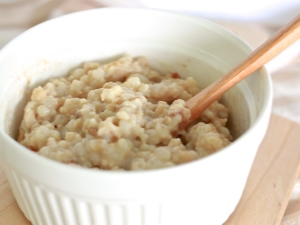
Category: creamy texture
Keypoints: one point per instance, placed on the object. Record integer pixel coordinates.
(120, 115)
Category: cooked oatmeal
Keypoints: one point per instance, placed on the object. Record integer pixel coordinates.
(120, 116)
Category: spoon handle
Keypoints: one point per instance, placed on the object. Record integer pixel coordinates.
(269, 49)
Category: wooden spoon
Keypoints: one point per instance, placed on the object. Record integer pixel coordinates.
(268, 50)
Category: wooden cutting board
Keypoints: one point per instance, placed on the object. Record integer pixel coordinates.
(272, 177)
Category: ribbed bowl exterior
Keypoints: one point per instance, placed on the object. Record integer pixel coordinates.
(44, 206)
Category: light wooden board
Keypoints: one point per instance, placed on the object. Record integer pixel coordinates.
(273, 175)
(270, 182)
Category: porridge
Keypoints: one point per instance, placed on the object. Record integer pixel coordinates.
(120, 116)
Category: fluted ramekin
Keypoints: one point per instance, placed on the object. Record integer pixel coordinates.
(201, 192)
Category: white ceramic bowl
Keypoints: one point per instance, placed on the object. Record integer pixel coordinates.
(201, 192)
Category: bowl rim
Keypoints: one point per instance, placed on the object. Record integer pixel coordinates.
(49, 163)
